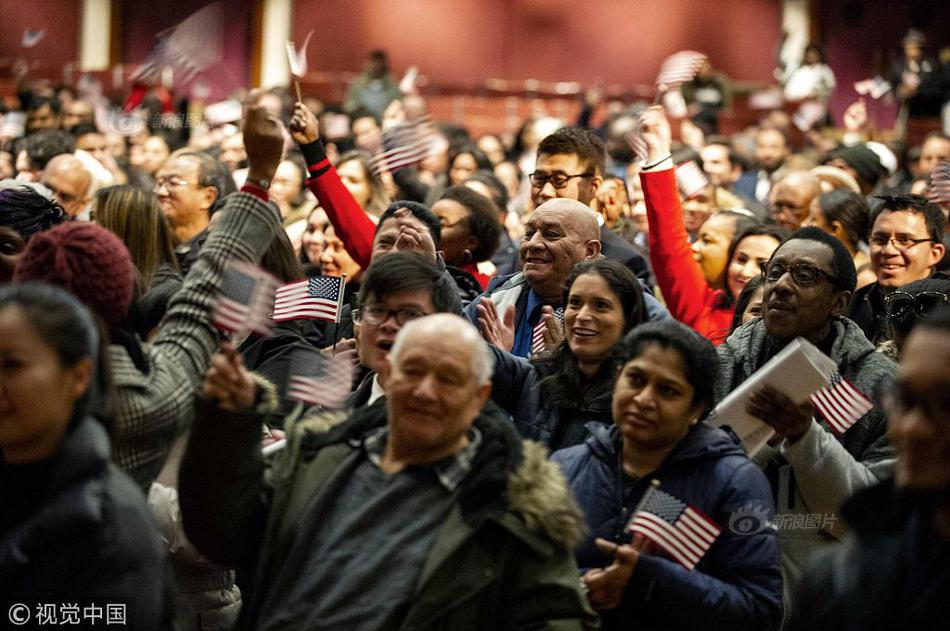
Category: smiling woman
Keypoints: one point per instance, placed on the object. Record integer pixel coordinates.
(554, 395)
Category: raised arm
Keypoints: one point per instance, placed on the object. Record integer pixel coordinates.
(350, 222)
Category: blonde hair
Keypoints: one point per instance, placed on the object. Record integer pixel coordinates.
(135, 217)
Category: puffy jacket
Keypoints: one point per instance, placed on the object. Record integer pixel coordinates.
(736, 585)
(91, 542)
(501, 559)
(680, 279)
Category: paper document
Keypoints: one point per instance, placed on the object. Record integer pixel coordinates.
(797, 371)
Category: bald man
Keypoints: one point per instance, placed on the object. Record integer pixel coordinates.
(70, 182)
(790, 198)
(558, 234)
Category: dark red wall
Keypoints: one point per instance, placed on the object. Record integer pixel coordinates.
(462, 42)
(60, 44)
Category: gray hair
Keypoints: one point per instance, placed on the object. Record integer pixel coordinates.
(454, 327)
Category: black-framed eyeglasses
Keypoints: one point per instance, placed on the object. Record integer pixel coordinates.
(803, 274)
(900, 241)
(557, 180)
(900, 305)
(377, 313)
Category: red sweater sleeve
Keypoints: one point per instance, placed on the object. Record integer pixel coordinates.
(678, 275)
(354, 228)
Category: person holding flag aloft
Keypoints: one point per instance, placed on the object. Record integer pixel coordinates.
(703, 553)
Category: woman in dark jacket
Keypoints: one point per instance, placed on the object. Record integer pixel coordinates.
(664, 388)
(73, 528)
(552, 396)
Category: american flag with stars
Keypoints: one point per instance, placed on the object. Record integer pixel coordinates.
(244, 299)
(677, 528)
(679, 68)
(318, 379)
(841, 404)
(537, 335)
(939, 192)
(404, 145)
(690, 179)
(314, 298)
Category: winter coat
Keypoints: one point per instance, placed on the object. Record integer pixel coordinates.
(516, 389)
(92, 541)
(736, 585)
(889, 574)
(815, 475)
(156, 404)
(680, 279)
(501, 559)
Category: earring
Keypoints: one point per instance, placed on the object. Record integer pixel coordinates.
(467, 255)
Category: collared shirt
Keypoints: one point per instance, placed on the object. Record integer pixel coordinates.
(450, 471)
(525, 327)
(376, 391)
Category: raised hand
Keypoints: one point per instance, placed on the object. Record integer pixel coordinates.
(654, 129)
(497, 331)
(304, 126)
(263, 141)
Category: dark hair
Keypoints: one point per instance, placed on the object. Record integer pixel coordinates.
(361, 112)
(700, 362)
(420, 212)
(279, 260)
(818, 49)
(409, 271)
(745, 297)
(499, 194)
(68, 326)
(482, 220)
(562, 386)
(213, 173)
(584, 143)
(751, 229)
(45, 145)
(28, 212)
(36, 102)
(939, 320)
(933, 216)
(481, 160)
(81, 129)
(844, 275)
(849, 209)
(735, 158)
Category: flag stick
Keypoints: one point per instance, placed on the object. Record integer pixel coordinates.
(339, 309)
(297, 89)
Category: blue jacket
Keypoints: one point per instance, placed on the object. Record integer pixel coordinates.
(736, 585)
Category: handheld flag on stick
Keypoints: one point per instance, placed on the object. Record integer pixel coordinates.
(244, 299)
(298, 62)
(690, 179)
(677, 528)
(677, 69)
(314, 298)
(841, 403)
(318, 379)
(537, 336)
(404, 145)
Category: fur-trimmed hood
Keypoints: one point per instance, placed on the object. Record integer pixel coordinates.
(508, 473)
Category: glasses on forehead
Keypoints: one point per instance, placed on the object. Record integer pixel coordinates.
(900, 241)
(803, 274)
(376, 313)
(557, 180)
(900, 305)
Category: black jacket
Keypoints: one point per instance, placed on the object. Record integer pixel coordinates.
(92, 540)
(890, 574)
(616, 248)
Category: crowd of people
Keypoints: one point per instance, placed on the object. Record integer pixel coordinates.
(541, 325)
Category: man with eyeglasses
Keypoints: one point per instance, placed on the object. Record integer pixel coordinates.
(808, 282)
(186, 192)
(790, 198)
(570, 165)
(906, 245)
(913, 303)
(893, 571)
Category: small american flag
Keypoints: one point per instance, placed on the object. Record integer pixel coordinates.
(244, 299)
(317, 379)
(679, 68)
(680, 530)
(314, 298)
(690, 179)
(298, 59)
(638, 145)
(841, 403)
(537, 335)
(404, 145)
(939, 192)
